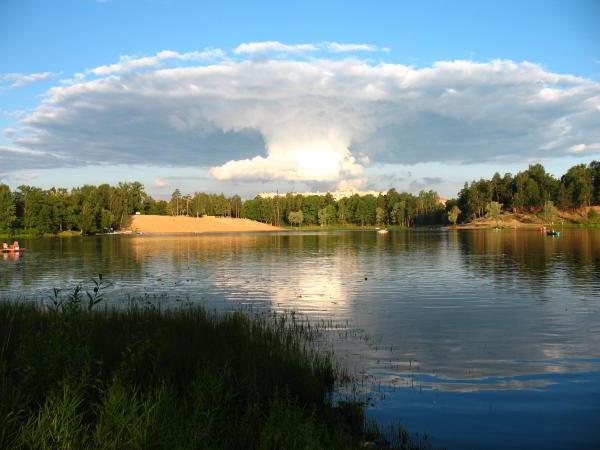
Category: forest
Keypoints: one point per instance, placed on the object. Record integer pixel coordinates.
(530, 191)
(94, 209)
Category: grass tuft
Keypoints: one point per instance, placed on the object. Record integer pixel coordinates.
(74, 376)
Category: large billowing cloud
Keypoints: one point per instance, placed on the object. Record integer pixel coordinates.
(317, 118)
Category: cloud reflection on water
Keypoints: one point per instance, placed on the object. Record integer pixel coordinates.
(459, 307)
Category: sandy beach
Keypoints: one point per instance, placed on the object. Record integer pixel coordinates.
(207, 224)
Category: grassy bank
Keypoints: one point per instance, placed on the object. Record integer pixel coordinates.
(73, 376)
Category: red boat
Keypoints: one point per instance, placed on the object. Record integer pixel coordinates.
(12, 248)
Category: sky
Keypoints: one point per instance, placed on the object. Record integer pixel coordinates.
(246, 97)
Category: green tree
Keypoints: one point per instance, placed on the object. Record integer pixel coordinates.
(61, 205)
(594, 169)
(546, 185)
(310, 209)
(295, 218)
(550, 212)
(323, 217)
(342, 210)
(578, 184)
(236, 206)
(562, 198)
(365, 210)
(37, 211)
(7, 208)
(453, 214)
(398, 212)
(327, 214)
(379, 216)
(175, 204)
(493, 211)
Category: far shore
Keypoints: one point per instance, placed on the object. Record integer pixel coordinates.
(566, 219)
(150, 224)
(164, 225)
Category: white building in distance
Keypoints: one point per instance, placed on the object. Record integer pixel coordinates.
(335, 194)
(338, 194)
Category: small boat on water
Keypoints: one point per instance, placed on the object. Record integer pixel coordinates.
(15, 248)
(552, 233)
(382, 231)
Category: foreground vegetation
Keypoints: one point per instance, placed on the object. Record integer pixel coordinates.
(92, 209)
(73, 376)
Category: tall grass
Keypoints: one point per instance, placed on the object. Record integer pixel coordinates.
(75, 376)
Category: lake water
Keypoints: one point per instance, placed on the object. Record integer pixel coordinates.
(480, 339)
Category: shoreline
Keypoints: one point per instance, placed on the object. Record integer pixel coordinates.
(143, 377)
(153, 225)
(156, 225)
(528, 220)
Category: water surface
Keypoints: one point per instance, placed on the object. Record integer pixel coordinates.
(482, 339)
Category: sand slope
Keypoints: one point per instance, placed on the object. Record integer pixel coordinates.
(206, 224)
(529, 220)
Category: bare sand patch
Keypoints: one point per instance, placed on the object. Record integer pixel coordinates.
(530, 220)
(206, 224)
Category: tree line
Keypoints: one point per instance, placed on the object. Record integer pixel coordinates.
(89, 209)
(391, 208)
(95, 209)
(201, 204)
(92, 209)
(531, 190)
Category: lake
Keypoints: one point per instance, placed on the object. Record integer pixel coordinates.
(481, 339)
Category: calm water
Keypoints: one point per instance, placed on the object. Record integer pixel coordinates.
(482, 339)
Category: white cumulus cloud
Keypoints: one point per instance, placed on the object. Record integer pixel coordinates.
(322, 119)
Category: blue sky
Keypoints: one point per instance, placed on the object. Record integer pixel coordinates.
(58, 39)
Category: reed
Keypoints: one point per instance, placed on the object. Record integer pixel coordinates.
(77, 375)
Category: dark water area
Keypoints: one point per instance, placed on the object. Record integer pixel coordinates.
(480, 339)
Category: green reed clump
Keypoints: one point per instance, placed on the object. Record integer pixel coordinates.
(75, 377)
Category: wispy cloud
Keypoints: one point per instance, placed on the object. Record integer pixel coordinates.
(15, 80)
(349, 48)
(278, 47)
(273, 46)
(14, 114)
(130, 63)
